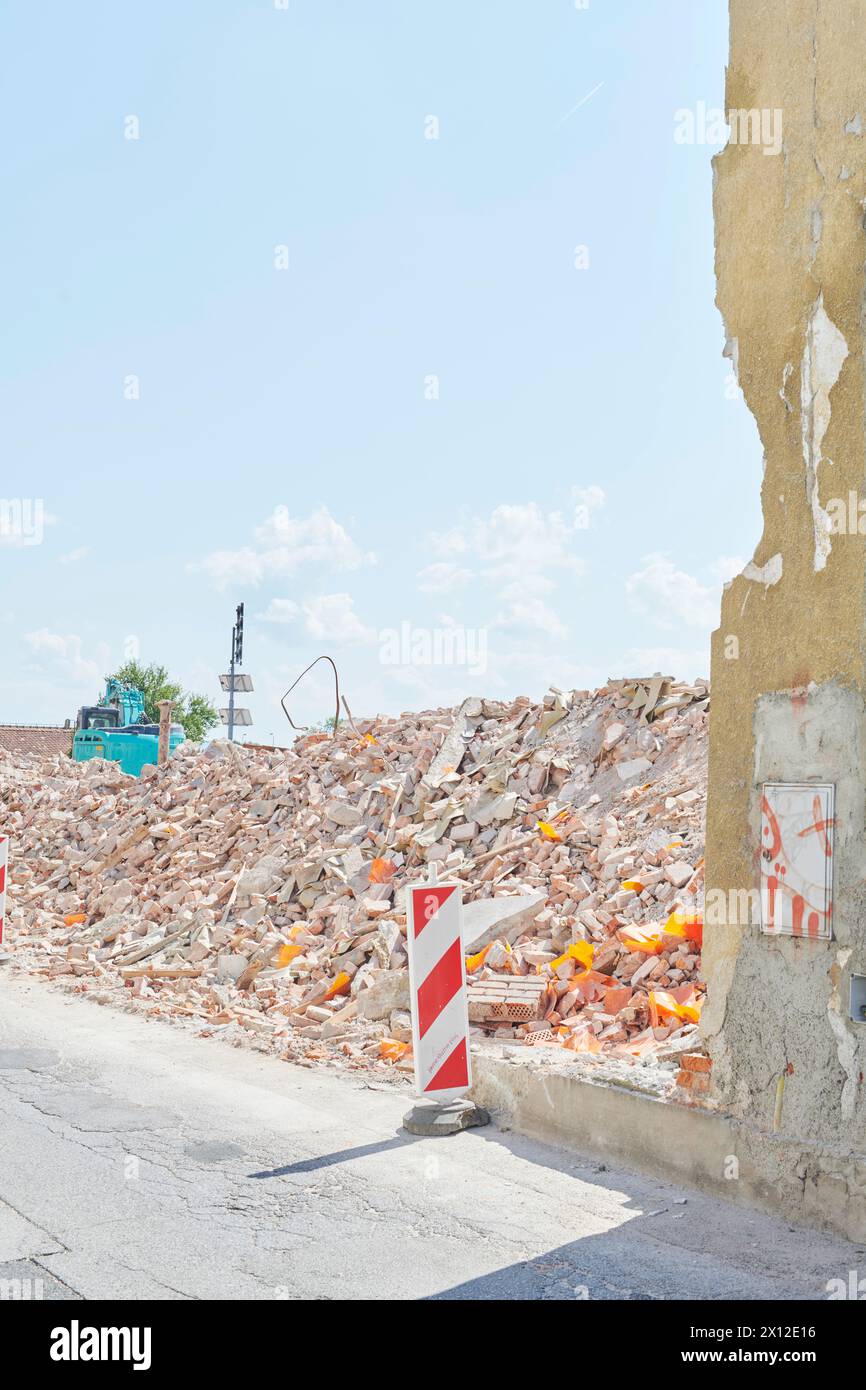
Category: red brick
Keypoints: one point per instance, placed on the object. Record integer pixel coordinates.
(616, 999)
(695, 1061)
(695, 1081)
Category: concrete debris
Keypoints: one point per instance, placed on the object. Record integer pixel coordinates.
(259, 895)
(490, 919)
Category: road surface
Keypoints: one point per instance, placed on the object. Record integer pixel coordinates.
(138, 1161)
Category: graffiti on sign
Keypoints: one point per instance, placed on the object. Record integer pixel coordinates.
(797, 859)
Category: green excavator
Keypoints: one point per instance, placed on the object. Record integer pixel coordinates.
(119, 730)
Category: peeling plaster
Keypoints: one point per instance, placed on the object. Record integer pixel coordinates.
(789, 367)
(846, 1047)
(824, 352)
(767, 574)
(731, 350)
(795, 711)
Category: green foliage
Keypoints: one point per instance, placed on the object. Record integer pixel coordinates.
(324, 726)
(194, 713)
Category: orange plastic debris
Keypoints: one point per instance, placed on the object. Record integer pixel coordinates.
(72, 919)
(690, 1003)
(634, 884)
(679, 1003)
(662, 1005)
(340, 985)
(582, 951)
(475, 962)
(686, 924)
(382, 870)
(694, 927)
(391, 1050)
(674, 924)
(286, 954)
(648, 939)
(547, 829)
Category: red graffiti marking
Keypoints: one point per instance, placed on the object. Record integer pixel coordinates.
(772, 885)
(820, 827)
(772, 849)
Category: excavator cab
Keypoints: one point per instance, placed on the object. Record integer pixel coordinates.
(118, 729)
(98, 717)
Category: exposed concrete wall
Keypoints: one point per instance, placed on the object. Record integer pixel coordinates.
(788, 671)
(801, 1180)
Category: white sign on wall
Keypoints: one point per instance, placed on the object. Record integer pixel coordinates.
(797, 823)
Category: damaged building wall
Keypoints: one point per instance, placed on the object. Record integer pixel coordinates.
(788, 657)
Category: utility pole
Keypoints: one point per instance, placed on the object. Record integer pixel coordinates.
(237, 657)
(232, 690)
(233, 680)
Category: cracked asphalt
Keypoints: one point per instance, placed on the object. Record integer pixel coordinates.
(138, 1161)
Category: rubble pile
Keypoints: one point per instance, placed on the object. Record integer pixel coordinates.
(260, 894)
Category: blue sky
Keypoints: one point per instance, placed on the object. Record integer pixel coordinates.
(432, 422)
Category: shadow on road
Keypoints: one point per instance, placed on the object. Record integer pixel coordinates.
(309, 1165)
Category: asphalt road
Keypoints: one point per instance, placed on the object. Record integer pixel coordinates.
(137, 1161)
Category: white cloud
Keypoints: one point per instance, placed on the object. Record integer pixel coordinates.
(530, 615)
(519, 553)
(671, 597)
(280, 610)
(727, 567)
(667, 661)
(60, 655)
(519, 670)
(586, 501)
(332, 618)
(443, 577)
(516, 538)
(235, 568)
(326, 617)
(283, 544)
(534, 584)
(73, 556)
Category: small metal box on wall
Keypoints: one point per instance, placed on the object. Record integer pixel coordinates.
(797, 859)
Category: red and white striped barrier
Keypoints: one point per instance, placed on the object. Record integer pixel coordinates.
(4, 865)
(437, 977)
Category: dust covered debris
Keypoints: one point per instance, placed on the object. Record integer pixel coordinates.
(259, 895)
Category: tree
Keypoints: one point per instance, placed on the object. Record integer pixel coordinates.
(194, 713)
